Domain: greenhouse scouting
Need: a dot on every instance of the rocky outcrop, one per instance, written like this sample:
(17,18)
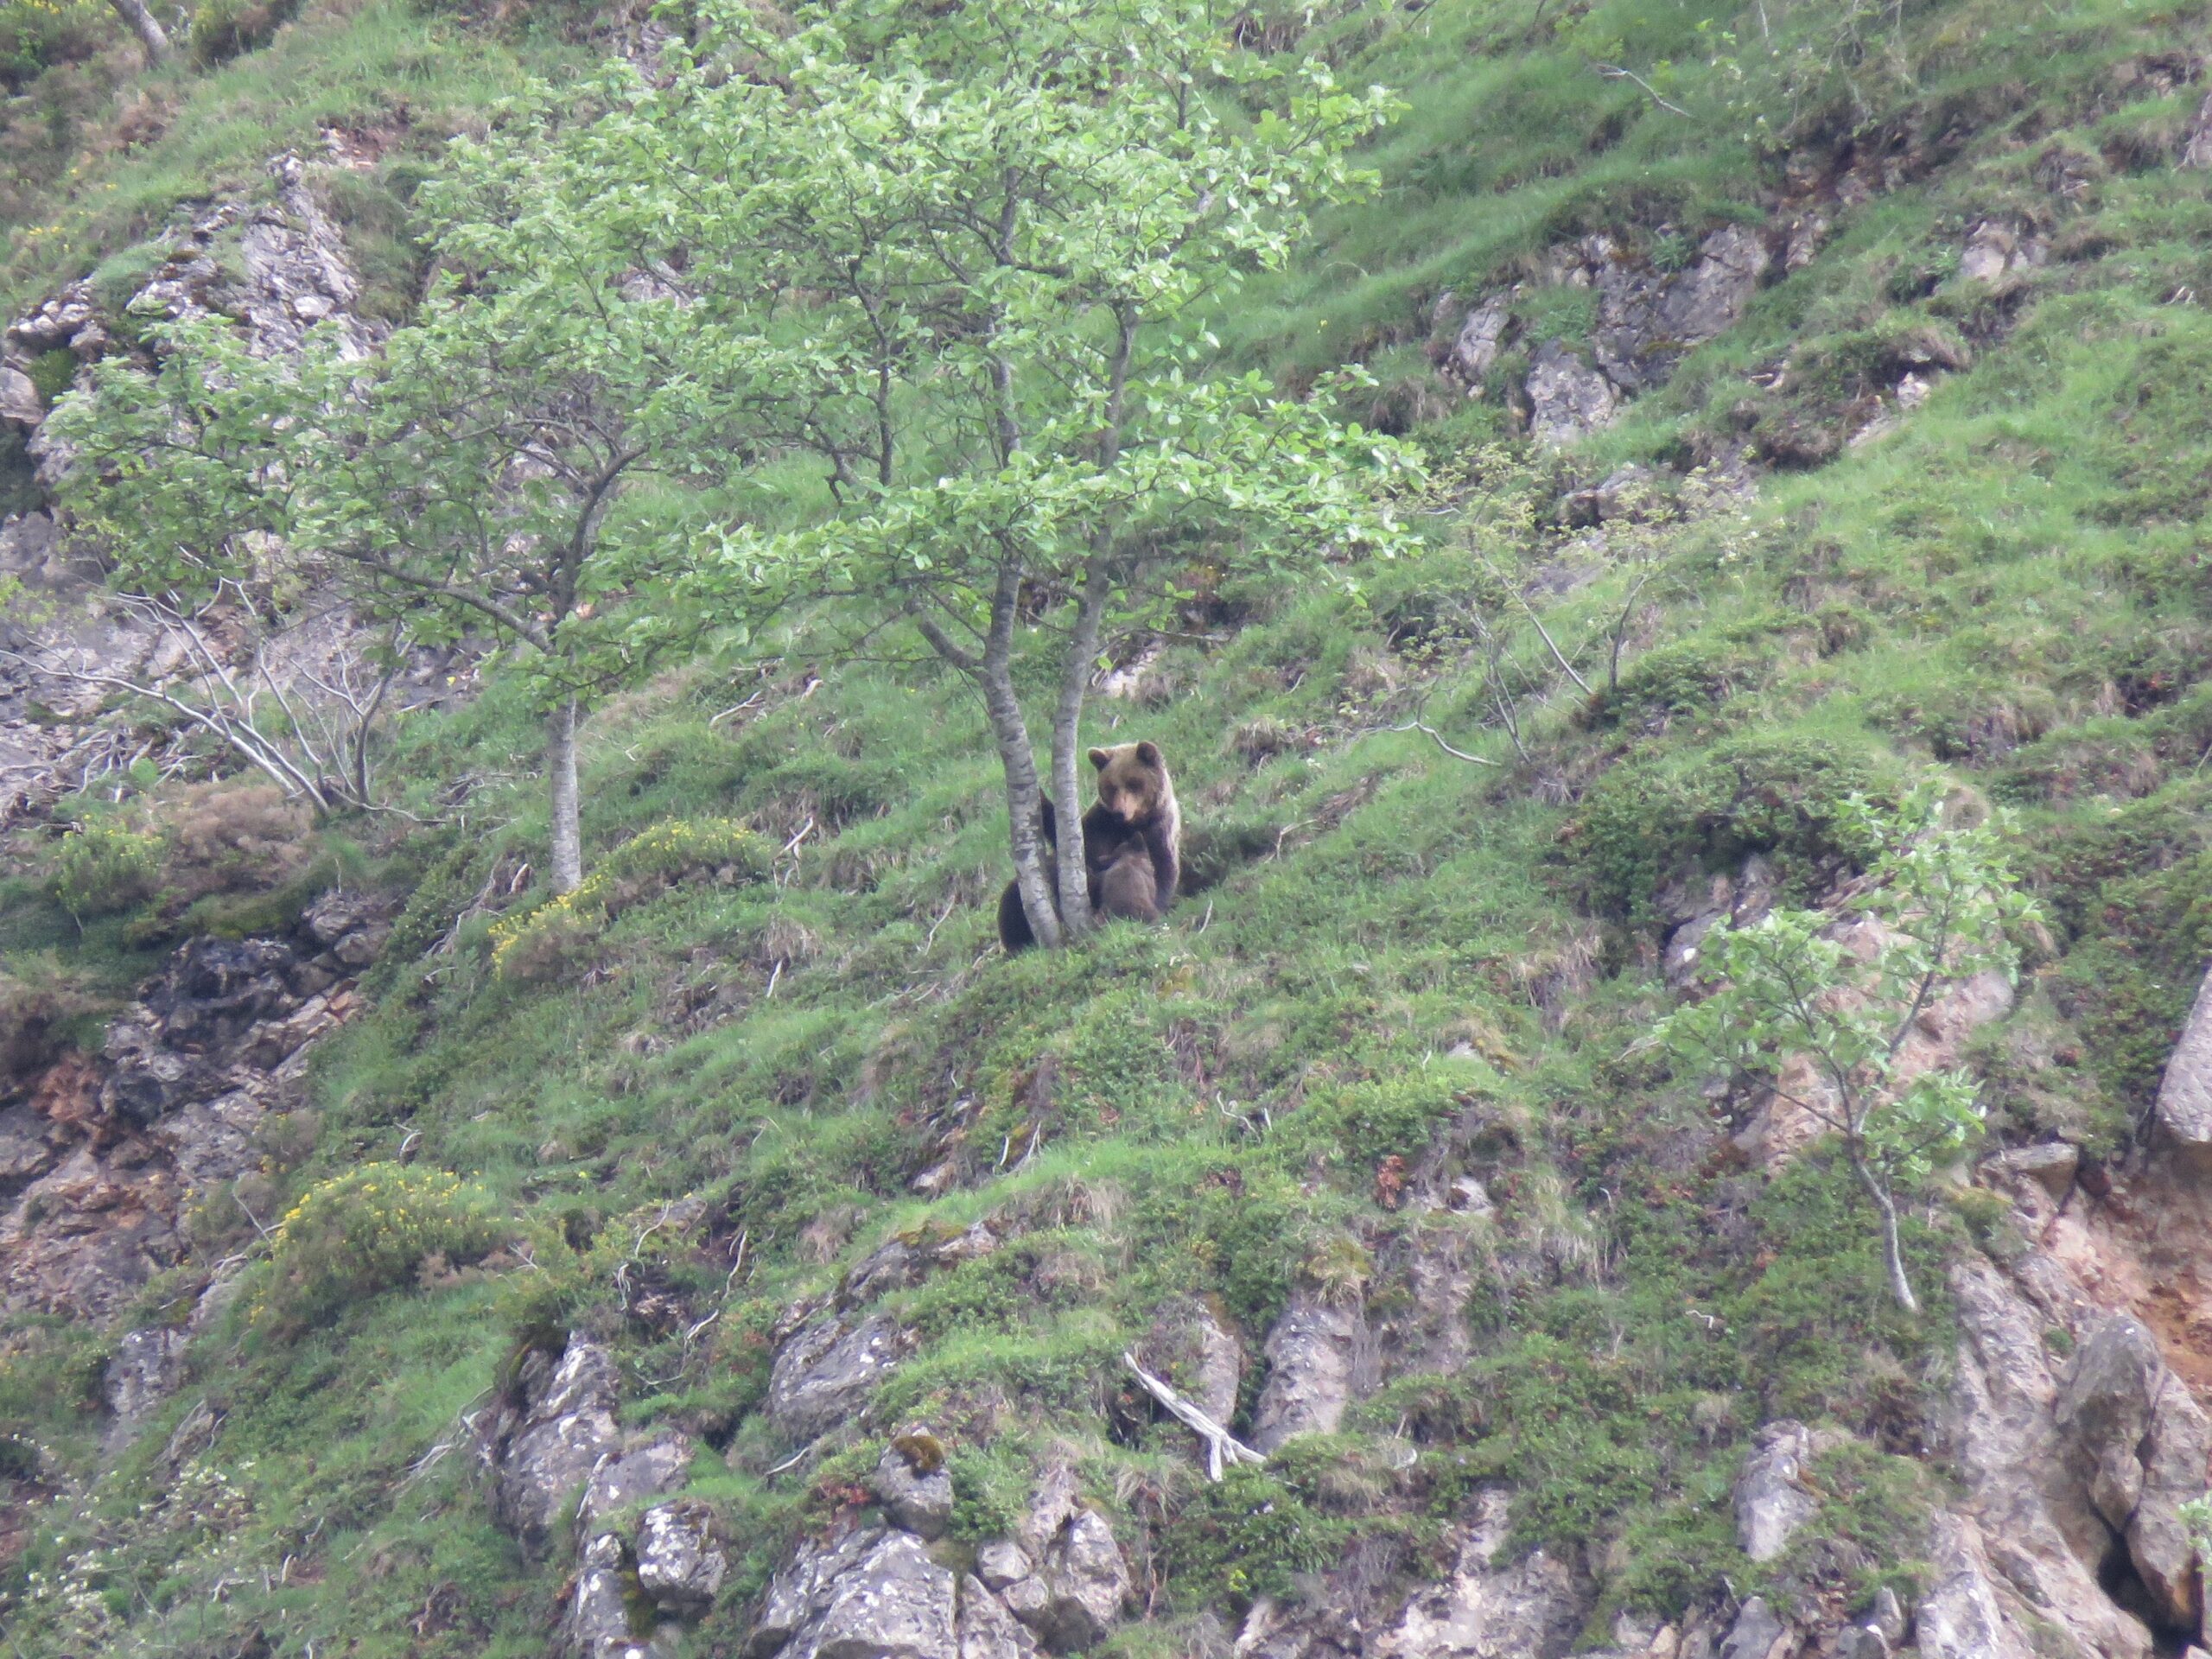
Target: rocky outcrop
(544,1443)
(1475,349)
(2197,143)
(2137,1446)
(2077,1440)
(1313,1356)
(1000,1562)
(1626,494)
(1696,905)
(147,1368)
(987,1629)
(276,266)
(2006,1445)
(913,1485)
(1961,1615)
(2052,1166)
(877,1593)
(598,1622)
(903,1261)
(1073,1593)
(637,1470)
(1567,398)
(1194,1348)
(554,1442)
(1647,320)
(1997,249)
(2184,1110)
(45,718)
(824,1376)
(628,1599)
(681,1559)
(873,1595)
(100,1157)
(1489,1609)
(1085,1583)
(1757,1633)
(1771,1498)
(290,270)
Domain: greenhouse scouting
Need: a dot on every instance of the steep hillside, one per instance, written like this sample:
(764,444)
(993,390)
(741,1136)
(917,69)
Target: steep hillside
(1817,396)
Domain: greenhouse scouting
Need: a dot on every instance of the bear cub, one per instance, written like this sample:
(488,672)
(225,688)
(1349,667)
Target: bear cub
(1132,842)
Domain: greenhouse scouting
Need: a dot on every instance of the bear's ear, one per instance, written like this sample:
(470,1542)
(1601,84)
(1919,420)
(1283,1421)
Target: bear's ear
(1149,753)
(1099,758)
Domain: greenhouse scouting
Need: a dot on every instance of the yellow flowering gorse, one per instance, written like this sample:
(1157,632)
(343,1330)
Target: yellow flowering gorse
(666,853)
(371,1229)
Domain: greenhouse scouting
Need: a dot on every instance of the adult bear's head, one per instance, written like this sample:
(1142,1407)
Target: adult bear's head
(1133,781)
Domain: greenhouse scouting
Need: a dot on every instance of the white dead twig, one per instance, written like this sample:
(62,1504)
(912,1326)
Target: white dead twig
(736,708)
(315,748)
(462,1430)
(1437,738)
(930,939)
(1222,1448)
(1614,72)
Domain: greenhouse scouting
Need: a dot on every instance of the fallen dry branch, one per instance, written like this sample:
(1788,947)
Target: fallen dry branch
(1222,1446)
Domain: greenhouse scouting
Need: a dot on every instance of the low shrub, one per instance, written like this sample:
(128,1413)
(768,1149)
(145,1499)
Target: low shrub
(36,34)
(39,1016)
(104,866)
(1397,1114)
(229,836)
(1647,821)
(1687,679)
(537,945)
(52,374)
(1247,1537)
(374,1229)
(222,30)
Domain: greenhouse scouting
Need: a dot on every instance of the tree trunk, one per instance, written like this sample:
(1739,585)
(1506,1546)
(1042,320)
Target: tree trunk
(993,673)
(1892,1246)
(1067,718)
(567,803)
(140,17)
(1024,807)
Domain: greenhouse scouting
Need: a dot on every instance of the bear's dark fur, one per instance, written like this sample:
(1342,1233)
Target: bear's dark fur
(1132,843)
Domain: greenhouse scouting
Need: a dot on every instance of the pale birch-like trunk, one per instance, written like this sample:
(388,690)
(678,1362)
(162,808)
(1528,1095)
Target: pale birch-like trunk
(568,801)
(140,19)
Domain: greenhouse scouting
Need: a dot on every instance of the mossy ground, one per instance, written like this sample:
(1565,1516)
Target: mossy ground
(1398,955)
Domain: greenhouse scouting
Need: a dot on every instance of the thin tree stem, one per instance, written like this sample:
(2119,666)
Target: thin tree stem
(566,801)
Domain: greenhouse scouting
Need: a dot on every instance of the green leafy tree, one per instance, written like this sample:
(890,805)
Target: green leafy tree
(468,478)
(1936,905)
(957,261)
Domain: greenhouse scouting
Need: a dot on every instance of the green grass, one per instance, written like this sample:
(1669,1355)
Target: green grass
(404,75)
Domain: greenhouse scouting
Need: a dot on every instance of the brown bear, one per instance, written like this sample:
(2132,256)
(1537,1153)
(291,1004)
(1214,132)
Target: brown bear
(1132,843)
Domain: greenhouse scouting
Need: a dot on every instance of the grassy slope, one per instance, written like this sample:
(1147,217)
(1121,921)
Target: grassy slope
(1417,959)
(402,77)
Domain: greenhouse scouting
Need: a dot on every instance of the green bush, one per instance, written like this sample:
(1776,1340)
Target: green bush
(52,374)
(539,944)
(374,1229)
(1246,1537)
(221,29)
(1400,1114)
(1649,821)
(104,867)
(36,34)
(1690,678)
